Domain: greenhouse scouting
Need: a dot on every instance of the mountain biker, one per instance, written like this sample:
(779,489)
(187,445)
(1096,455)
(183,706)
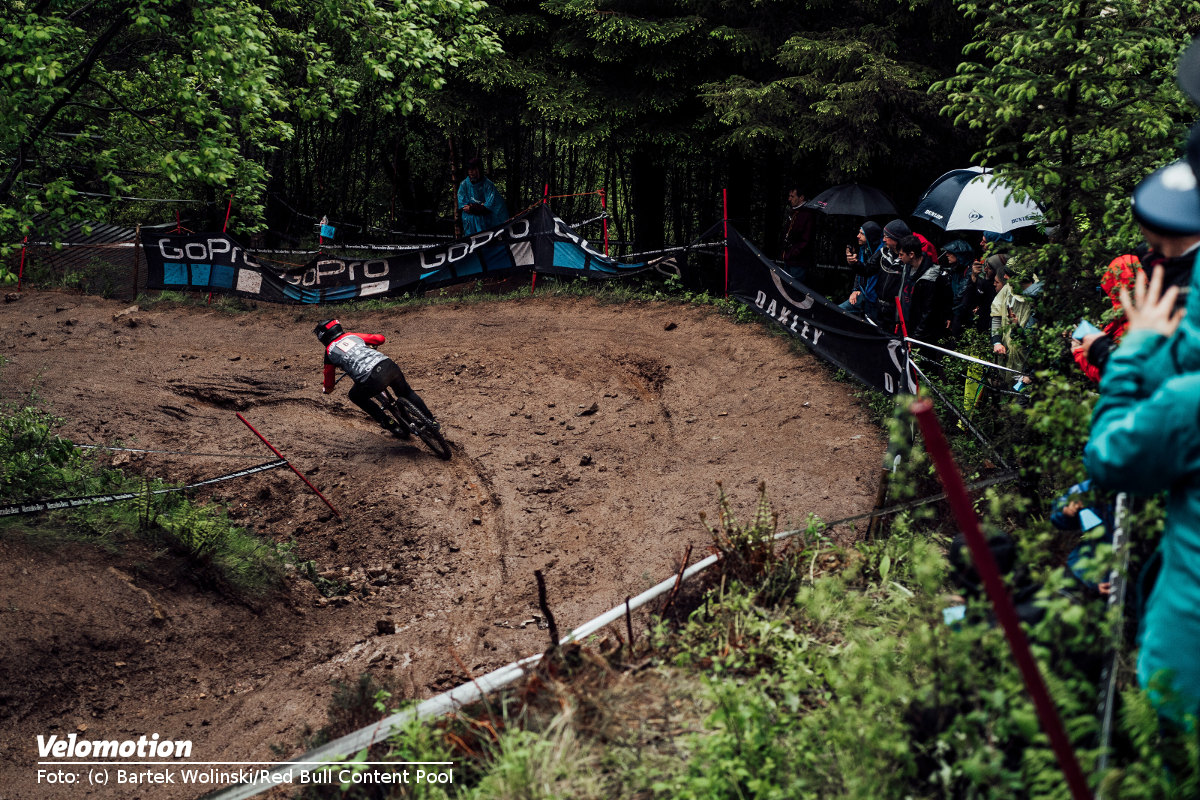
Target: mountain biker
(370,370)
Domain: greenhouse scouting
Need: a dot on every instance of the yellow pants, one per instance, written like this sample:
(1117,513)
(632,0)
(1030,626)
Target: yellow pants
(973,389)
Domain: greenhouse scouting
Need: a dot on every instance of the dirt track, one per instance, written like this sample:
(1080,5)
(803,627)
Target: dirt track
(604,503)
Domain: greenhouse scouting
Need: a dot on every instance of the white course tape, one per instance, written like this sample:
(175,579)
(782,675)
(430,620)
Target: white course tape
(963,356)
(339,749)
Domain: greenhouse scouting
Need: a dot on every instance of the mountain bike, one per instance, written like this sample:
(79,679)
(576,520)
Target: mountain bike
(413,420)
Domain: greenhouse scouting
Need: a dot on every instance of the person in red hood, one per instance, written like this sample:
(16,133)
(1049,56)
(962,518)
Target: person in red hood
(370,370)
(1121,272)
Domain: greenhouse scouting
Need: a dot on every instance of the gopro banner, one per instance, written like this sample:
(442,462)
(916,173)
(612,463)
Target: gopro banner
(851,343)
(534,241)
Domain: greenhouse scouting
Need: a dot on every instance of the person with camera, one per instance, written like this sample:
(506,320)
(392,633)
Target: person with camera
(479,201)
(864,261)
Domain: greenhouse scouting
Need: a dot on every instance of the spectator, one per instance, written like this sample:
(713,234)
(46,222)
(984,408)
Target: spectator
(992,242)
(1145,439)
(479,201)
(891,273)
(1174,240)
(864,261)
(924,307)
(1119,273)
(1021,587)
(1094,525)
(1012,308)
(981,290)
(957,257)
(799,255)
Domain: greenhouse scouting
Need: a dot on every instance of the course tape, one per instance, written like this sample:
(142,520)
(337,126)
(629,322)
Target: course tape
(962,418)
(465,694)
(962,356)
(39,506)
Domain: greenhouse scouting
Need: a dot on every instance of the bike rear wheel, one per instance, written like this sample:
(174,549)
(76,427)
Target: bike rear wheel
(423,427)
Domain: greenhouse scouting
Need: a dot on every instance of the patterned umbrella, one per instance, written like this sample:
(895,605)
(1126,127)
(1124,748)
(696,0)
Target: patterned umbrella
(853,200)
(973,199)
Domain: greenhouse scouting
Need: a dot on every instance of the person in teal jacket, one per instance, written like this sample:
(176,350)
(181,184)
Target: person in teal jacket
(1145,438)
(481,203)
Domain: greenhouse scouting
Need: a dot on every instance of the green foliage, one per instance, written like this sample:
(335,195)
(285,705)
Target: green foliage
(165,97)
(1076,103)
(36,463)
(842,681)
(843,87)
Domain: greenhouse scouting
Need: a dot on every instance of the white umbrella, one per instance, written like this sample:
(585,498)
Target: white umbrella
(973,199)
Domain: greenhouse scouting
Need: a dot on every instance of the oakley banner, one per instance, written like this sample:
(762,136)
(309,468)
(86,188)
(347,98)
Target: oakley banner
(877,359)
(535,240)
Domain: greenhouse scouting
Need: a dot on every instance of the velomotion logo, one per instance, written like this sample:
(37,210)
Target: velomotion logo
(142,747)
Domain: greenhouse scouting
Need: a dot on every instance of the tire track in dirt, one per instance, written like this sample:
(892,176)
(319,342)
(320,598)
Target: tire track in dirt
(604,502)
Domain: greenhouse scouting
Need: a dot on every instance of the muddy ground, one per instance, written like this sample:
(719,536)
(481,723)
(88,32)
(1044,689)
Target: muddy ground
(113,645)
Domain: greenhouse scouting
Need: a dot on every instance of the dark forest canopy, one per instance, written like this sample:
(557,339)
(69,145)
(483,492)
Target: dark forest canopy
(366,112)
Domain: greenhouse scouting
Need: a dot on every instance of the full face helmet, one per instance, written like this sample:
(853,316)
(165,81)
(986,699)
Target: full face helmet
(328,330)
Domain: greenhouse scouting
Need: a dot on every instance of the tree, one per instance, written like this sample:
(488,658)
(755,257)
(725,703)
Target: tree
(839,88)
(1076,102)
(115,97)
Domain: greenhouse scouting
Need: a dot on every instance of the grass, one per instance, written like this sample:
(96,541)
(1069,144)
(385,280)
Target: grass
(801,669)
(36,463)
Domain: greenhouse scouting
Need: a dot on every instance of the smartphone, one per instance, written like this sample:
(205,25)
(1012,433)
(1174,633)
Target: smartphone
(1084,328)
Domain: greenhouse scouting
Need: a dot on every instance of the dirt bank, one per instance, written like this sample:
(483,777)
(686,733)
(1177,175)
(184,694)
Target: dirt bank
(587,437)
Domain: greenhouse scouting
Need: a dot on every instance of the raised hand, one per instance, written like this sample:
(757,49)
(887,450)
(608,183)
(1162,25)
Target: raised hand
(1152,309)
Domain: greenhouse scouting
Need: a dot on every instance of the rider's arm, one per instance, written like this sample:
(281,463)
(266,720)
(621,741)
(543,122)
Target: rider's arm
(327,385)
(373,339)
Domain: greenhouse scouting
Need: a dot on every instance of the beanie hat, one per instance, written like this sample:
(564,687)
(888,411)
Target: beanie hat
(896,229)
(1015,270)
(996,263)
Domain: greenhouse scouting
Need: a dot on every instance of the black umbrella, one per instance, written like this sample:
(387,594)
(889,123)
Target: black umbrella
(853,200)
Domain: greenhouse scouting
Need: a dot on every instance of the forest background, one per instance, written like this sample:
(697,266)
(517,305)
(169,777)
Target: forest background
(365,113)
(287,112)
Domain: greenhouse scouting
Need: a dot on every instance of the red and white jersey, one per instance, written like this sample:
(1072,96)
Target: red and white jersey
(350,353)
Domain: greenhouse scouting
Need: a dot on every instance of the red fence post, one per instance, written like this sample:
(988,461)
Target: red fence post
(293,469)
(21,269)
(1006,613)
(604,222)
(725,222)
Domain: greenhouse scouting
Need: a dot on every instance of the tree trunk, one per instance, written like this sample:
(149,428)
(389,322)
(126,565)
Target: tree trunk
(648,200)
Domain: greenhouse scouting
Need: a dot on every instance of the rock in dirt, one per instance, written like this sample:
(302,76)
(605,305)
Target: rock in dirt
(385,627)
(126,312)
(592,409)
(12,297)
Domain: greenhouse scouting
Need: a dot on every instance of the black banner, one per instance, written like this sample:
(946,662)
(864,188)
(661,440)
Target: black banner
(39,506)
(534,241)
(876,358)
